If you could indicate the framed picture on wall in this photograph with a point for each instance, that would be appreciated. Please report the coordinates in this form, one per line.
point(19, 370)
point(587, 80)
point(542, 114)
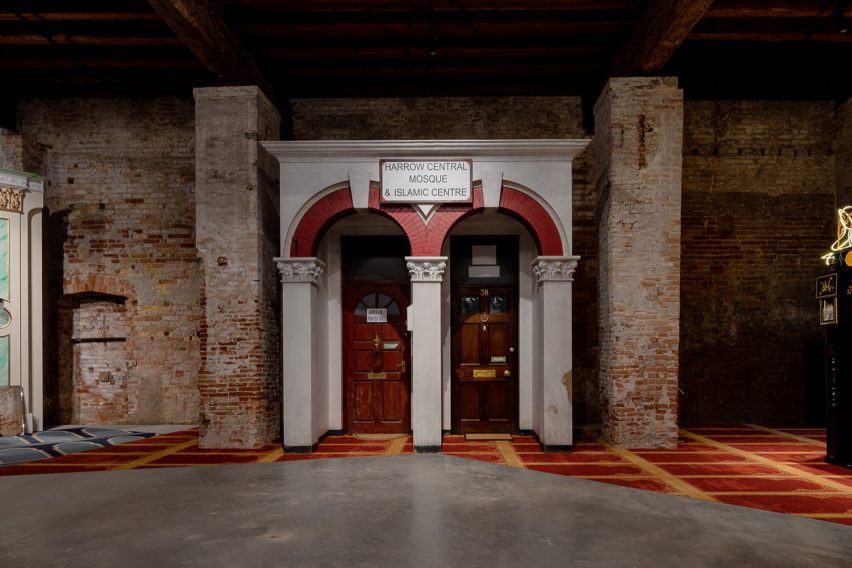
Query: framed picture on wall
point(828, 311)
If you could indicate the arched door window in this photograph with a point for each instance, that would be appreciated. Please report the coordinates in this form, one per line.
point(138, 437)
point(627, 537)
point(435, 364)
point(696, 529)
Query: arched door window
point(376, 300)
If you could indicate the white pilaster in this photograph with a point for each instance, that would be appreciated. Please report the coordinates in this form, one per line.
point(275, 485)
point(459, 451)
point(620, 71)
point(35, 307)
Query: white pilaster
point(300, 278)
point(554, 399)
point(426, 276)
point(21, 203)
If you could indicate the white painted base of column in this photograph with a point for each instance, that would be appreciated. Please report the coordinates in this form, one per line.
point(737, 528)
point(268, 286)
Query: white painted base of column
point(556, 420)
point(299, 277)
point(426, 276)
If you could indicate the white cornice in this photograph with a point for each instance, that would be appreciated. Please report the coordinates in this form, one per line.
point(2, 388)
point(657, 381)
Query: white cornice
point(541, 150)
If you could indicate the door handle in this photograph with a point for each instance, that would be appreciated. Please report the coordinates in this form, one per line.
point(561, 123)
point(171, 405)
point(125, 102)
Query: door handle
point(507, 373)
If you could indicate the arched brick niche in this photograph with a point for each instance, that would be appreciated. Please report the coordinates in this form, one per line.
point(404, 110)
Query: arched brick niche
point(98, 284)
point(92, 363)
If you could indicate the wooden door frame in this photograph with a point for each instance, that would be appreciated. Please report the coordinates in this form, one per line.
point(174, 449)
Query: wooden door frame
point(455, 308)
point(351, 293)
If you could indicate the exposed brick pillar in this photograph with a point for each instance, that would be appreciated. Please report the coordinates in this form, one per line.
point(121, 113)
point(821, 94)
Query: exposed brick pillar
point(843, 149)
point(237, 236)
point(638, 141)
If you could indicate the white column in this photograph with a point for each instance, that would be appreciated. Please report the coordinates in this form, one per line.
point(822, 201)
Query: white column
point(31, 288)
point(21, 202)
point(300, 278)
point(426, 275)
point(555, 394)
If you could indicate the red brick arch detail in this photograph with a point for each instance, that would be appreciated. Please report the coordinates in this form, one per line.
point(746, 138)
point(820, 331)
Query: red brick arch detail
point(426, 239)
point(328, 210)
point(532, 215)
point(98, 284)
point(318, 218)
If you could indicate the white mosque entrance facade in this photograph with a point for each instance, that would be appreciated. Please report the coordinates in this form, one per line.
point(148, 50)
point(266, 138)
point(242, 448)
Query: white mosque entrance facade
point(426, 287)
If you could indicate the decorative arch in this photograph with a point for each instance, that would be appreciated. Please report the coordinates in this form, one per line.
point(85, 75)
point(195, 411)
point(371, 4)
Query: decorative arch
point(532, 215)
point(426, 238)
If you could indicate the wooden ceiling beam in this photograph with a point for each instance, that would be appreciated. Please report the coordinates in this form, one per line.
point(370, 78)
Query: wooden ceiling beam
point(763, 9)
point(661, 29)
point(38, 39)
point(78, 16)
point(770, 29)
point(279, 6)
point(202, 28)
point(335, 29)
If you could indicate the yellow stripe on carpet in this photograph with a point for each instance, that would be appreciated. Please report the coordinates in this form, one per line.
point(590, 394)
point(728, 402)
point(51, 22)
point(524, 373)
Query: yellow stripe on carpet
point(161, 454)
point(395, 448)
point(272, 456)
point(843, 488)
point(673, 481)
point(488, 437)
point(780, 433)
point(511, 457)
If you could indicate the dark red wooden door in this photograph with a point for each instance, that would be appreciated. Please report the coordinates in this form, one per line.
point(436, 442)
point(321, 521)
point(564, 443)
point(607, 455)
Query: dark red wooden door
point(376, 359)
point(484, 360)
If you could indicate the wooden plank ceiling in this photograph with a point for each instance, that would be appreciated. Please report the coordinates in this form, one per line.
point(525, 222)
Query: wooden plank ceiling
point(426, 47)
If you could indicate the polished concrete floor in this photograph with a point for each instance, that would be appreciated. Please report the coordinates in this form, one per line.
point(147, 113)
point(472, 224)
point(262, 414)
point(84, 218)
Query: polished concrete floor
point(417, 510)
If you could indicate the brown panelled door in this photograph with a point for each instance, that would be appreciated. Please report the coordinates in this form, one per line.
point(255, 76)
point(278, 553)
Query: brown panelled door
point(376, 364)
point(485, 361)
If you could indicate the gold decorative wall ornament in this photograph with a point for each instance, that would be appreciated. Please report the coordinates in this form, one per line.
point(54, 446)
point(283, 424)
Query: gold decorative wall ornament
point(11, 199)
point(844, 234)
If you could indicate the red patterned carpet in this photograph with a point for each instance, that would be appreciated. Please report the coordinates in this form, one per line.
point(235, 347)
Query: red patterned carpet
point(777, 469)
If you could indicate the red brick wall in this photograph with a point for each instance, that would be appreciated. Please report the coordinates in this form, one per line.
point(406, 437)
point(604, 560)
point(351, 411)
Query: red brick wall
point(11, 150)
point(99, 362)
point(843, 149)
point(424, 118)
point(758, 197)
point(120, 195)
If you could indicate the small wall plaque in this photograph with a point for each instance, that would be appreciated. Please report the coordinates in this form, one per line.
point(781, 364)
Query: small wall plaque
point(826, 286)
point(498, 359)
point(377, 315)
point(827, 311)
point(391, 345)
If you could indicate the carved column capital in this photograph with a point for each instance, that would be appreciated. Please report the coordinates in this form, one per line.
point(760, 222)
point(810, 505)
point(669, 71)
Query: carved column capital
point(426, 268)
point(11, 199)
point(304, 269)
point(554, 268)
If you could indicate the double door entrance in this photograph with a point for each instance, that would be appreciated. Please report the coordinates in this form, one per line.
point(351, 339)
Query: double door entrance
point(484, 328)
